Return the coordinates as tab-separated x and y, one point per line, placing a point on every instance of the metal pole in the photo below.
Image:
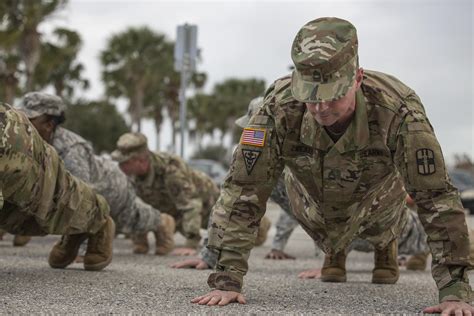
182	107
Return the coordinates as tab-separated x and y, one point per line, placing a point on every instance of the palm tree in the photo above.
135	64
21	20
59	65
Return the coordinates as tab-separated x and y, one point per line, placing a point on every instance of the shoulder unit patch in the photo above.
250	159
425	161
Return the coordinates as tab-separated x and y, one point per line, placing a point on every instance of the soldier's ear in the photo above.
359	77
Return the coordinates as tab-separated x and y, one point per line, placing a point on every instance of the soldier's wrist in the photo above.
457	291
225	281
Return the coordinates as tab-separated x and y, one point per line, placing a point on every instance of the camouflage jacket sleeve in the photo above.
420	161
186	200
242	202
78	160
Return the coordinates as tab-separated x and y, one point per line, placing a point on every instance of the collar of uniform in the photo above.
150	177
355	137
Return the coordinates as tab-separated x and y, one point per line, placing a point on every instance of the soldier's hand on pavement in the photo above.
218	297
278	255
451	308
195	263
184	251
310	274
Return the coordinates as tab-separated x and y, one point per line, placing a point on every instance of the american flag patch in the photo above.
253	136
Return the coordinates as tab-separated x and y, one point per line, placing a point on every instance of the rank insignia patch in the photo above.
250	158
253	137
425	161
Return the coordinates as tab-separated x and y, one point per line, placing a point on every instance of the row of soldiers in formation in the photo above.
337	145
184	196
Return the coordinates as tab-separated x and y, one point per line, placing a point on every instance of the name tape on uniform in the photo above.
253	136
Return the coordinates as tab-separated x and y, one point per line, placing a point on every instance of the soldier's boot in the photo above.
140	243
20	240
418	262
165	235
386	265
265	225
2	232
64	252
334	267
99	247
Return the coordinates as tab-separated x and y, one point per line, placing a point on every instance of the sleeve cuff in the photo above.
459	291
225	281
209	257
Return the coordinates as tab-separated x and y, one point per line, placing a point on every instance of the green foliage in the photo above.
99	122
228	101
20	42
136	63
58	64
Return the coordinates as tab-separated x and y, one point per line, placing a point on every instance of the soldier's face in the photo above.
45	127
137	166
339	111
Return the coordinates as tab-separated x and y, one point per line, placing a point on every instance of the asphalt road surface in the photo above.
145	284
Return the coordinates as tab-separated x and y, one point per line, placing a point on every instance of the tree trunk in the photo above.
11	83
136	105
30	50
59	88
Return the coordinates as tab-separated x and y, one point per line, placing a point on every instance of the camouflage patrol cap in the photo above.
129	145
35	104
254	105
325	56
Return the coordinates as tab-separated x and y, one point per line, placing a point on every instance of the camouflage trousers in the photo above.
411	240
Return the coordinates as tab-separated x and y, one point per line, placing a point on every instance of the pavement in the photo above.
145	284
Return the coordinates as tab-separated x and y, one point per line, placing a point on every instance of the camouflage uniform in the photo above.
411	241
128	211
37	195
173	187
351	188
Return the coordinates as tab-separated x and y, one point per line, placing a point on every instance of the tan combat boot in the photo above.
20	240
99	247
386	264
334	267
165	235
140	243
64	252
418	262
265	225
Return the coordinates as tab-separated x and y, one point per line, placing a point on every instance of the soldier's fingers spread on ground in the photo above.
189	263
224	301
432	309
197	299
241	299
214	300
205	300
467	313
202	266
447	311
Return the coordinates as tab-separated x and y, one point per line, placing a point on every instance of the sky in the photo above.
427	44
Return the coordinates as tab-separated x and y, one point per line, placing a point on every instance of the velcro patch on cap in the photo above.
253	137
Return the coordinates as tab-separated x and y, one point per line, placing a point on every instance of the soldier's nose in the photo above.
321	107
